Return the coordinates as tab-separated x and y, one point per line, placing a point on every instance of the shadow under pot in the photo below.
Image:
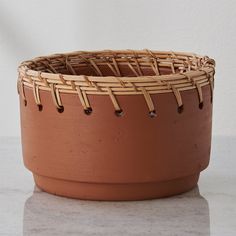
116	125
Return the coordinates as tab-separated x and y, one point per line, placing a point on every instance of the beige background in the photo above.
30	28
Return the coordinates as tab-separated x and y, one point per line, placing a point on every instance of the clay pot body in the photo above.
104	157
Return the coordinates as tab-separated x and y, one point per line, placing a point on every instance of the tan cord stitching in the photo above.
36	94
81	97
96	67
94	84
69	66
34	74
87	80
62	79
28	76
86	99
134	86
111	67
198	87
136	62
122	83
148	99
72	83
50	66
172	68
55	96
177	95
189	64
116	66
210	80
113	99
44	80
19	80
88	63
58	97
132	68
22	93
154	66
187	77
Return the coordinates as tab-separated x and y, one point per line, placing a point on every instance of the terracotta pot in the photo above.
103	156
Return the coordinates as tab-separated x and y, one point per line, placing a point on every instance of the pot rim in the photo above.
188	71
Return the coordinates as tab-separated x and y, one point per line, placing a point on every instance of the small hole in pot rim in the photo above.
180	109
40	107
25	103
201	105
152	114
88	111
60	109
119	113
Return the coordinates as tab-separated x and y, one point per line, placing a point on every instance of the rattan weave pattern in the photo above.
116	73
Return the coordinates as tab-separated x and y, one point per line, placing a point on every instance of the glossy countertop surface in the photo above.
209	209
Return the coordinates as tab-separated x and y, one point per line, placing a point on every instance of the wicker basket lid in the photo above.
116	73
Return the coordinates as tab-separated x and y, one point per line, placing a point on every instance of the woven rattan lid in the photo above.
116	73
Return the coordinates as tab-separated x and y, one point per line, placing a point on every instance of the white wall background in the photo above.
30	28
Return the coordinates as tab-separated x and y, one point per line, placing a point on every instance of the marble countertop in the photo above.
209	209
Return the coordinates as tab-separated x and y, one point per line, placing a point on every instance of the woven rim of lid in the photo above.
188	71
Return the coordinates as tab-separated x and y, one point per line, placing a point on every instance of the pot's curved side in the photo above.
102	156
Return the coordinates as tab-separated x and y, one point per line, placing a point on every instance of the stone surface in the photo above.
209	209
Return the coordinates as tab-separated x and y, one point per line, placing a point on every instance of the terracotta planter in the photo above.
124	129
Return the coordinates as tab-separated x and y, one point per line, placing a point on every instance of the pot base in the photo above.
115	192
